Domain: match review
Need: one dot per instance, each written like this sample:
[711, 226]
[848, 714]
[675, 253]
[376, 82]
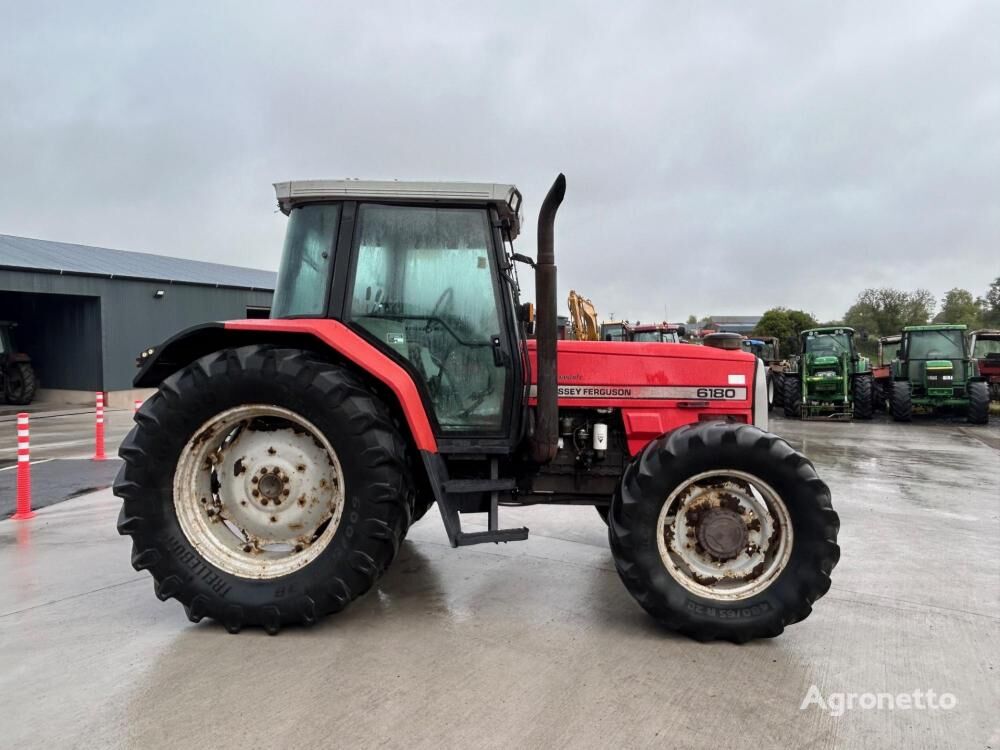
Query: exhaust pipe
[545, 441]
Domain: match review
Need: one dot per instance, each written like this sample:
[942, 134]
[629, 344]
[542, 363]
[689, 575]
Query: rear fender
[328, 337]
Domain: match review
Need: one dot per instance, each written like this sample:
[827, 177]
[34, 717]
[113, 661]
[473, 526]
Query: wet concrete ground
[63, 435]
[534, 644]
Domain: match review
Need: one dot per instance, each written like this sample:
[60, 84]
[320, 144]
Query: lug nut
[256, 493]
[255, 479]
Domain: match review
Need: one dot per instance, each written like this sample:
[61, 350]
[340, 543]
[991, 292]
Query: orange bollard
[99, 429]
[24, 511]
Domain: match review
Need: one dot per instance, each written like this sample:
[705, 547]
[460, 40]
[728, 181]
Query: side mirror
[682, 331]
[899, 354]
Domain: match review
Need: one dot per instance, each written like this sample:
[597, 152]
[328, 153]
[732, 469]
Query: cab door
[425, 286]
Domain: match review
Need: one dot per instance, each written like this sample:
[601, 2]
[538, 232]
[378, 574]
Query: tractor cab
[759, 348]
[427, 279]
[664, 333]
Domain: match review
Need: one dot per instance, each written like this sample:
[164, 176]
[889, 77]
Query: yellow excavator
[583, 315]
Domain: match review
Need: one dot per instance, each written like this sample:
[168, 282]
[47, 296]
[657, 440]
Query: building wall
[107, 322]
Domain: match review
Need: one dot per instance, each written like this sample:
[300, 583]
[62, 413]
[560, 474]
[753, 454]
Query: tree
[990, 304]
[784, 324]
[960, 307]
[882, 312]
[692, 320]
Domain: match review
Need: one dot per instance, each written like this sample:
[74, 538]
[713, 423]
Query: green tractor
[830, 380]
[934, 369]
[17, 377]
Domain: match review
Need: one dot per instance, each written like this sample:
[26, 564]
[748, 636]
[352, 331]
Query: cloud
[722, 158]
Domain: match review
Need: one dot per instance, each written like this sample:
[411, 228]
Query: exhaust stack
[545, 441]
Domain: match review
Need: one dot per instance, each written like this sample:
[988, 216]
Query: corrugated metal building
[84, 313]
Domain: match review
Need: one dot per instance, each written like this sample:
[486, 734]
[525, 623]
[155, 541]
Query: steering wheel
[444, 303]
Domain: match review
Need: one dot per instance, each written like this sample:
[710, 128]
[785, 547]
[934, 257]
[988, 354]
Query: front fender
[321, 335]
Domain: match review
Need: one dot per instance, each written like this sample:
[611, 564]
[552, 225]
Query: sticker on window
[395, 338]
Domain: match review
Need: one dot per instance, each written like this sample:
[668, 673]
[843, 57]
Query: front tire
[694, 512]
[901, 401]
[861, 393]
[779, 389]
[792, 402]
[979, 403]
[285, 430]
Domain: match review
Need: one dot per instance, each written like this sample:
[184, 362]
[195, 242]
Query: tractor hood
[658, 386]
[824, 361]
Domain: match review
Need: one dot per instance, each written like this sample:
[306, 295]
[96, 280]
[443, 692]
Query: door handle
[499, 358]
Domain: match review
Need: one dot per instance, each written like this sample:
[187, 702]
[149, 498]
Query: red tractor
[274, 474]
[984, 347]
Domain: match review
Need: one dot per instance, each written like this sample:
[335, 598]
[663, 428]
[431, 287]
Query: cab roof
[828, 329]
[945, 327]
[506, 198]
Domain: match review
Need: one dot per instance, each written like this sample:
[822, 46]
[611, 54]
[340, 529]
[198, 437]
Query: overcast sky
[721, 158]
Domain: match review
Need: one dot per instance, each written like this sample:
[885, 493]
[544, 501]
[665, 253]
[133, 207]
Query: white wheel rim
[709, 508]
[258, 491]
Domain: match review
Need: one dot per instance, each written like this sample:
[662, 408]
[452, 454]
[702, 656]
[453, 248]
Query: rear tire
[374, 488]
[792, 401]
[20, 384]
[770, 391]
[707, 608]
[861, 392]
[979, 403]
[901, 401]
[878, 396]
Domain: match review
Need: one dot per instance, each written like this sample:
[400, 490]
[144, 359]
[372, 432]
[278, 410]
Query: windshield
[985, 347]
[661, 336]
[306, 260]
[612, 331]
[827, 344]
[935, 345]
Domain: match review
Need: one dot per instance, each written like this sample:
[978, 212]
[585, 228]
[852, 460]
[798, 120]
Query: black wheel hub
[722, 533]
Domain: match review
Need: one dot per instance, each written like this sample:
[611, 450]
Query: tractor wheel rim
[724, 535]
[258, 491]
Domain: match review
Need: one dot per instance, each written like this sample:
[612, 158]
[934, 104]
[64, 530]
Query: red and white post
[135, 406]
[99, 428]
[24, 511]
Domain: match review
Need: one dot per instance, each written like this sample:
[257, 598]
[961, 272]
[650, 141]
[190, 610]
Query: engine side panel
[657, 387]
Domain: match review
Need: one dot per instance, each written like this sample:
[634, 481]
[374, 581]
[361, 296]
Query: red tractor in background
[272, 477]
[984, 347]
